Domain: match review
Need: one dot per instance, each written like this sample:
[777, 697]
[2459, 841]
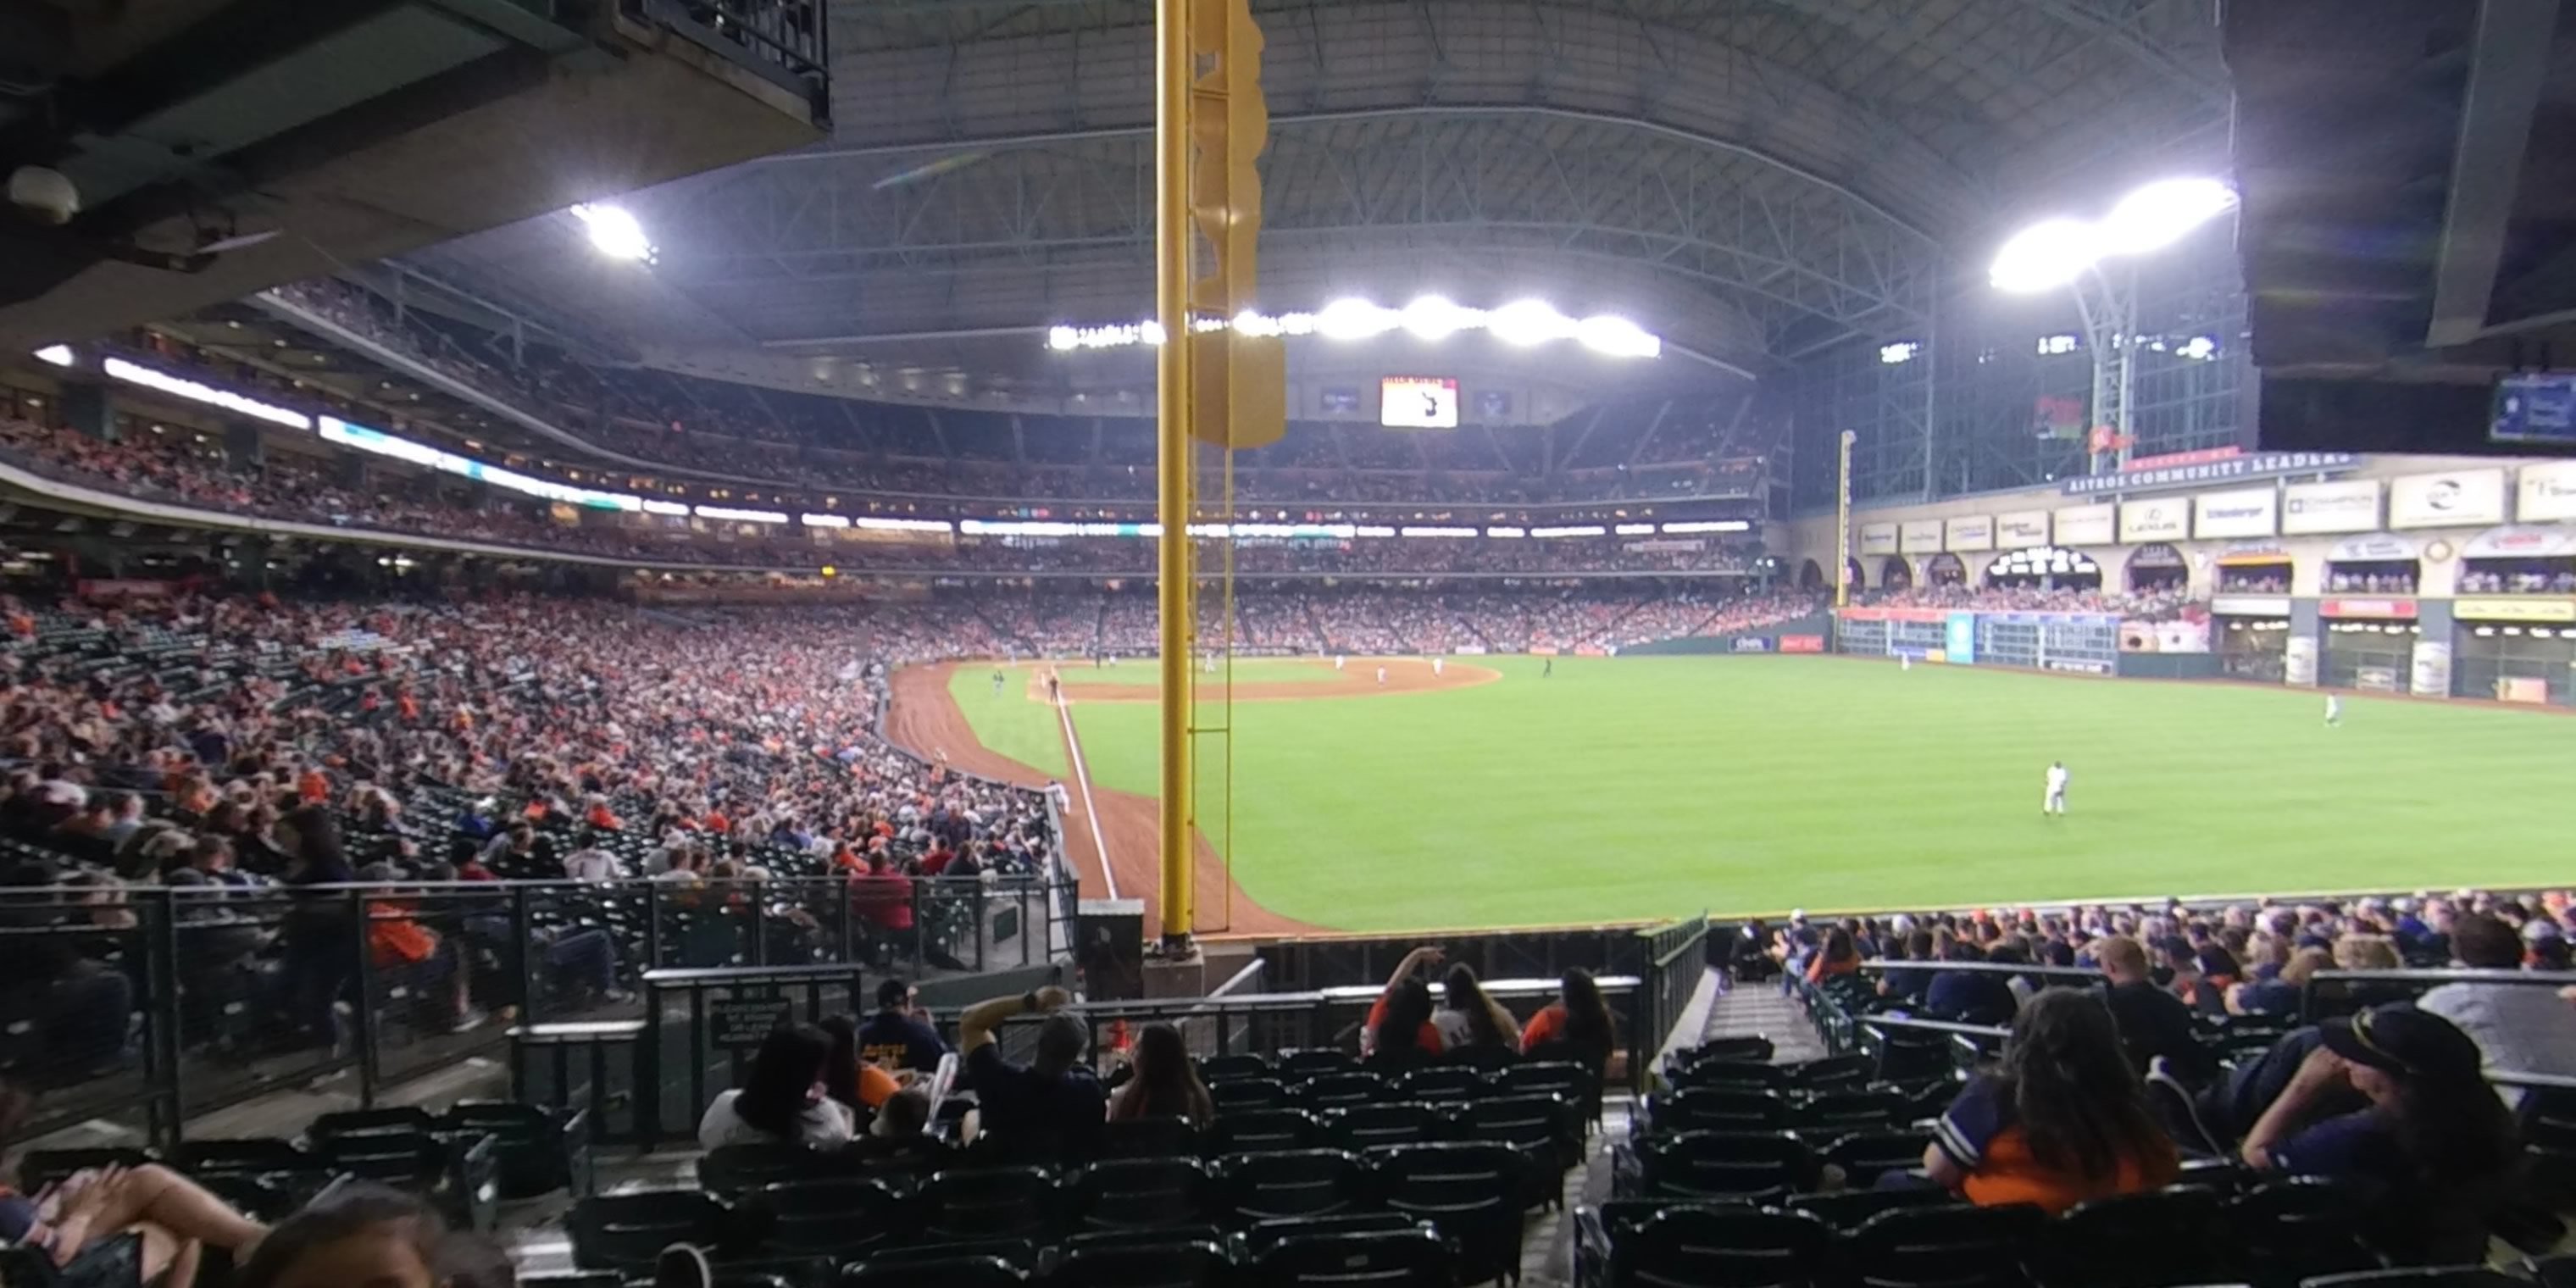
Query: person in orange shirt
[600, 816]
[1839, 957]
[311, 788]
[1405, 998]
[1577, 1024]
[2061, 1120]
[416, 955]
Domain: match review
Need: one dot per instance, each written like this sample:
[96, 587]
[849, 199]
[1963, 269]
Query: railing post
[980, 930]
[364, 1013]
[523, 942]
[652, 924]
[759, 955]
[920, 927]
[167, 1115]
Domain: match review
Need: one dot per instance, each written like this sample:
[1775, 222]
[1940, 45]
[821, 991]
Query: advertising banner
[2514, 610]
[2250, 512]
[2432, 676]
[2351, 505]
[1802, 643]
[2398, 608]
[2017, 528]
[1749, 644]
[2077, 665]
[1878, 538]
[1895, 614]
[2250, 465]
[2250, 605]
[2085, 525]
[1919, 536]
[2544, 493]
[2299, 660]
[2378, 547]
[2520, 542]
[1976, 532]
[2448, 499]
[2377, 679]
[2164, 520]
[1959, 644]
[2522, 688]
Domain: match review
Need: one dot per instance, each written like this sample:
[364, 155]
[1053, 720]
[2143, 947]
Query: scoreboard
[1418, 402]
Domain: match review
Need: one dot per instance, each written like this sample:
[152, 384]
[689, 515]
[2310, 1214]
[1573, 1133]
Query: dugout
[2044, 568]
[2524, 559]
[1895, 574]
[2501, 651]
[2157, 569]
[2377, 563]
[2368, 644]
[1945, 569]
[2251, 648]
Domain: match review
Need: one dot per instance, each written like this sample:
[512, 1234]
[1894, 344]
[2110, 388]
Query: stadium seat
[2289, 1230]
[1232, 1094]
[1306, 1062]
[1720, 1165]
[1149, 1138]
[1291, 1183]
[1402, 1122]
[975, 1203]
[2547, 1118]
[535, 1150]
[1729, 1075]
[2151, 1240]
[1716, 1109]
[1827, 1113]
[1441, 1083]
[625, 1232]
[1472, 1192]
[1386, 1259]
[1332, 1090]
[947, 1272]
[1905, 1055]
[372, 1122]
[1864, 1155]
[1196, 1264]
[1217, 1068]
[1260, 1235]
[1751, 1048]
[1563, 1078]
[1688, 1247]
[1247, 1131]
[1140, 1193]
[729, 1170]
[2422, 1277]
[838, 1219]
[1848, 1209]
[1849, 1069]
[1951, 1245]
[1541, 1125]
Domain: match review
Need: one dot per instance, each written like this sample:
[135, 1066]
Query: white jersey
[1435, 666]
[2334, 708]
[1381, 675]
[2057, 780]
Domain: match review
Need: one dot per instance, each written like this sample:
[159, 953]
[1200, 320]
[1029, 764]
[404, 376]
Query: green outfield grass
[1253, 670]
[1626, 788]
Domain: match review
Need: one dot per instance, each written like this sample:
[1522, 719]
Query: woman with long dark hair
[1399, 1029]
[1576, 1026]
[1840, 956]
[783, 1099]
[1468, 1018]
[2061, 1119]
[2434, 1146]
[1166, 1084]
[848, 1078]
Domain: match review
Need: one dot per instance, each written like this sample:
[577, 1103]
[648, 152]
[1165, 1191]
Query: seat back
[1716, 1109]
[990, 1203]
[1246, 1131]
[628, 1231]
[1305, 1062]
[1332, 1090]
[1951, 1246]
[1710, 1164]
[1865, 1155]
[1694, 1247]
[1849, 1069]
[1141, 1193]
[1384, 1259]
[1247, 1093]
[1848, 1209]
[840, 1219]
[1442, 1082]
[1290, 1183]
[1473, 1192]
[729, 1170]
[2288, 1231]
[1149, 1138]
[363, 1122]
[1743, 1048]
[1217, 1067]
[966, 1271]
[1848, 1110]
[1563, 1078]
[2169, 1236]
[1358, 1127]
[1192, 1264]
[42, 1167]
[1538, 1122]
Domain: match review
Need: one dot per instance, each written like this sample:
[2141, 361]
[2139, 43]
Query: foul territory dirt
[926, 721]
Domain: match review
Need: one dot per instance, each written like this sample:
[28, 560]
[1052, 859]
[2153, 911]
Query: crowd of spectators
[2253, 581]
[2374, 581]
[2524, 580]
[2148, 605]
[2094, 1091]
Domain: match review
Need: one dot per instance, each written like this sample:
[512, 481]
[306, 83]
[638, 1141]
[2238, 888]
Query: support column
[1173, 72]
[88, 409]
[242, 444]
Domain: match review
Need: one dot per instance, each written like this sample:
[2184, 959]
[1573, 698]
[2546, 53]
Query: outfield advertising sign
[1749, 644]
[2543, 611]
[1976, 532]
[1959, 642]
[2248, 513]
[1920, 536]
[2448, 499]
[2432, 673]
[2383, 608]
[2168, 520]
[1802, 643]
[2313, 509]
[1878, 538]
[2015, 529]
[2086, 525]
[2251, 465]
[2546, 492]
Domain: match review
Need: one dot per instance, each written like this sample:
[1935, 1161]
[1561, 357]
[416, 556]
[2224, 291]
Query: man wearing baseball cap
[2433, 1142]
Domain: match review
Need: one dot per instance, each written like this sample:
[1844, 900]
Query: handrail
[2449, 975]
[1883, 964]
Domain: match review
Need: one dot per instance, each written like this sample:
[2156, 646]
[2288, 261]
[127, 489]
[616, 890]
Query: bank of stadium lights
[2055, 252]
[2051, 346]
[59, 355]
[1899, 353]
[1521, 324]
[615, 233]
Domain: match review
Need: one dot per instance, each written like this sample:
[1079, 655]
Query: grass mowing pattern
[1642, 787]
[1009, 723]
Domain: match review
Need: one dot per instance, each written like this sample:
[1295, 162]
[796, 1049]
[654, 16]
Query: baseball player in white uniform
[1381, 677]
[2055, 802]
[1435, 668]
[2334, 709]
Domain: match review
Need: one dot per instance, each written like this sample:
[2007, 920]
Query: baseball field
[1633, 788]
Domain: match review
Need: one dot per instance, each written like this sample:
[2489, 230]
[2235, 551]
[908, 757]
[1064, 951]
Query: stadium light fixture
[1353, 319]
[1435, 317]
[615, 232]
[59, 355]
[2045, 256]
[1899, 353]
[2054, 252]
[1524, 323]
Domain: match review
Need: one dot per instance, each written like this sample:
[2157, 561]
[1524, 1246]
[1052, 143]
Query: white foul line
[1082, 776]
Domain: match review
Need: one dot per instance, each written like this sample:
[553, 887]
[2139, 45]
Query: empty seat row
[1475, 1194]
[1708, 1108]
[1519, 1119]
[2273, 1236]
[1323, 1088]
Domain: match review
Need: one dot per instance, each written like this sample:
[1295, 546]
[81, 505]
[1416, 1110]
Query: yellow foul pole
[1842, 523]
[1172, 78]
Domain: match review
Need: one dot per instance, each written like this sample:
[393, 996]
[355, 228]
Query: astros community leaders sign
[2252, 465]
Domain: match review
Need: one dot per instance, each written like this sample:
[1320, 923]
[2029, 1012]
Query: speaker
[1109, 946]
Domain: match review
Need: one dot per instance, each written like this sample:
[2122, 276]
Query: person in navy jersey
[1969, 996]
[895, 1037]
[2431, 1144]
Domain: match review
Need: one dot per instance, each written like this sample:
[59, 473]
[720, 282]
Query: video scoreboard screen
[1417, 402]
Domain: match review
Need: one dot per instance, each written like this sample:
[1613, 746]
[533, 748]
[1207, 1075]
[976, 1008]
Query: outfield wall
[1809, 634]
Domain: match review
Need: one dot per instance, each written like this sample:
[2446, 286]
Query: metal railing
[1676, 962]
[149, 1006]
